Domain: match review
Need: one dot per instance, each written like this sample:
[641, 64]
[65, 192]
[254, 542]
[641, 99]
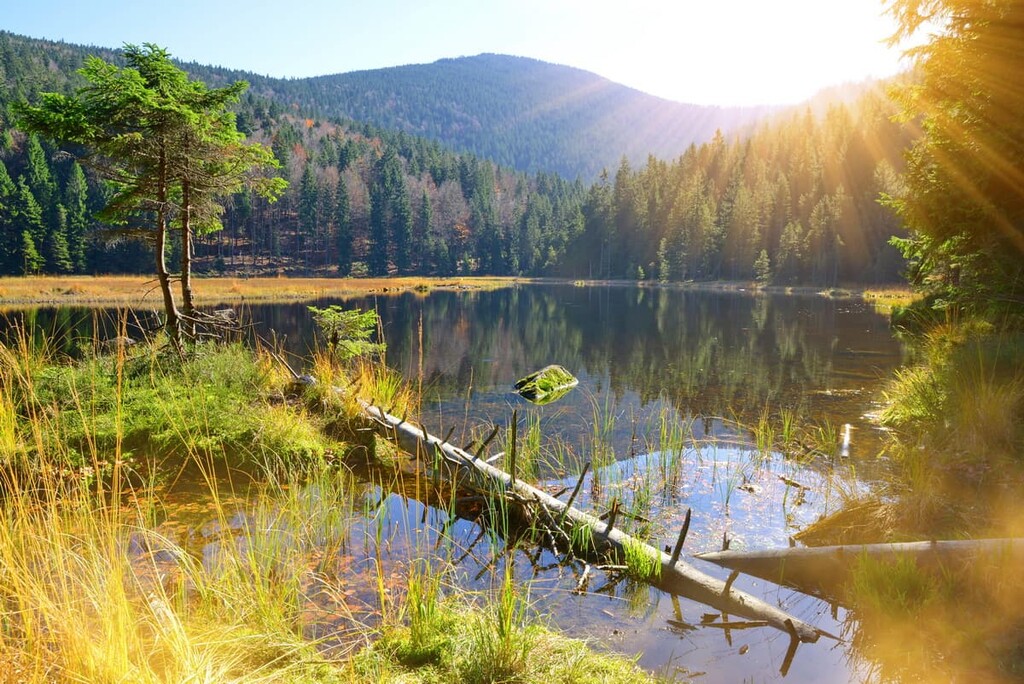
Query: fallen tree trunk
[824, 570]
[675, 576]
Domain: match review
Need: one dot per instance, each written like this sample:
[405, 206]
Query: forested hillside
[795, 202]
[522, 113]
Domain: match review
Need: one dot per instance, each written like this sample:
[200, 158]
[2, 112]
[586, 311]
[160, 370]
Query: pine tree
[37, 173]
[401, 227]
[308, 207]
[57, 256]
[169, 143]
[343, 227]
[790, 259]
[27, 225]
[763, 268]
[31, 260]
[10, 232]
[380, 214]
[75, 198]
[963, 198]
[423, 235]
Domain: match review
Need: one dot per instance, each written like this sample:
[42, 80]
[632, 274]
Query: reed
[97, 588]
[113, 290]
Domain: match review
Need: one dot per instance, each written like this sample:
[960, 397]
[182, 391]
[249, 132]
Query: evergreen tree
[377, 258]
[401, 226]
[599, 228]
[308, 207]
[963, 197]
[31, 260]
[165, 141]
[57, 256]
[763, 268]
[75, 198]
[382, 212]
[37, 173]
[343, 227]
[10, 232]
[28, 230]
[423, 235]
[790, 259]
[664, 271]
[628, 221]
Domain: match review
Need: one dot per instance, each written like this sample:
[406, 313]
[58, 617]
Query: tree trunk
[824, 571]
[173, 322]
[676, 576]
[187, 307]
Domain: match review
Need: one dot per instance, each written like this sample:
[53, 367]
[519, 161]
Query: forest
[796, 201]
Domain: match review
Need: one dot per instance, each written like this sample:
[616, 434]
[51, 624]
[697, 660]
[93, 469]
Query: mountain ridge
[526, 113]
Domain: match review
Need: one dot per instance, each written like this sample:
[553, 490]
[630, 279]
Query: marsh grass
[953, 623]
[602, 428]
[885, 300]
[641, 563]
[958, 430]
[957, 433]
[107, 290]
[96, 588]
[94, 593]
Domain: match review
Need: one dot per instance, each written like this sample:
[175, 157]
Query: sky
[716, 52]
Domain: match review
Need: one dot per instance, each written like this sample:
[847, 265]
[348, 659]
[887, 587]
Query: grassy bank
[957, 447]
[142, 292]
[97, 583]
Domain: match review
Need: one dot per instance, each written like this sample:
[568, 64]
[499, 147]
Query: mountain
[523, 113]
[791, 200]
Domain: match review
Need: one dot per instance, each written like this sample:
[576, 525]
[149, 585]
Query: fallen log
[824, 570]
[675, 576]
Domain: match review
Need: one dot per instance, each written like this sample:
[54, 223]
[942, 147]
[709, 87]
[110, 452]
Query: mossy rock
[546, 385]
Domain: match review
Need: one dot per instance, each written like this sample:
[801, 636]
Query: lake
[672, 383]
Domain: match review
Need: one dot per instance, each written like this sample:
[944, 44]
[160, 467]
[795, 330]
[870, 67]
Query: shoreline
[141, 292]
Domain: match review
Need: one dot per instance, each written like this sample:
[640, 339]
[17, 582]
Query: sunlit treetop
[964, 195]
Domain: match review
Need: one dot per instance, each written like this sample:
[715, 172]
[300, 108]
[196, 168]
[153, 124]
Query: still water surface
[650, 361]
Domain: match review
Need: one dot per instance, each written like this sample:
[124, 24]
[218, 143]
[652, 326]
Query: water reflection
[383, 529]
[645, 357]
[706, 354]
[636, 350]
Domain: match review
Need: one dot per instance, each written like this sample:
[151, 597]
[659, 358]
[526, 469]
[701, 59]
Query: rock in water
[546, 385]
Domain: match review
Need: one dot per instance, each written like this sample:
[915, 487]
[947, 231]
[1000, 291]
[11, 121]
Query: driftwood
[824, 570]
[561, 519]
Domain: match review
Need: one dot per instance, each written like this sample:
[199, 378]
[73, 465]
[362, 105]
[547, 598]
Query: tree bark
[825, 570]
[676, 577]
[187, 307]
[173, 320]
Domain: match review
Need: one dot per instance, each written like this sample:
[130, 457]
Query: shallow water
[709, 362]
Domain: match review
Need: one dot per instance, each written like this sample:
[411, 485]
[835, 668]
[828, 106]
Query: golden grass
[142, 291]
[97, 584]
[886, 299]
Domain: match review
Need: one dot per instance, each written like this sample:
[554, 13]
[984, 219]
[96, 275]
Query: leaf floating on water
[546, 385]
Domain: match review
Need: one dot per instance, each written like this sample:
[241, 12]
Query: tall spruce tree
[76, 194]
[343, 227]
[964, 182]
[10, 235]
[423, 235]
[309, 214]
[28, 230]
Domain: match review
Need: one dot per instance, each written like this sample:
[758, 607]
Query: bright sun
[733, 52]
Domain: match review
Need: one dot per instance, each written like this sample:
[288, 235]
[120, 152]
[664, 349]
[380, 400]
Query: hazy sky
[709, 52]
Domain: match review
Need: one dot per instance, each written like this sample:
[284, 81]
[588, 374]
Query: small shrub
[348, 332]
